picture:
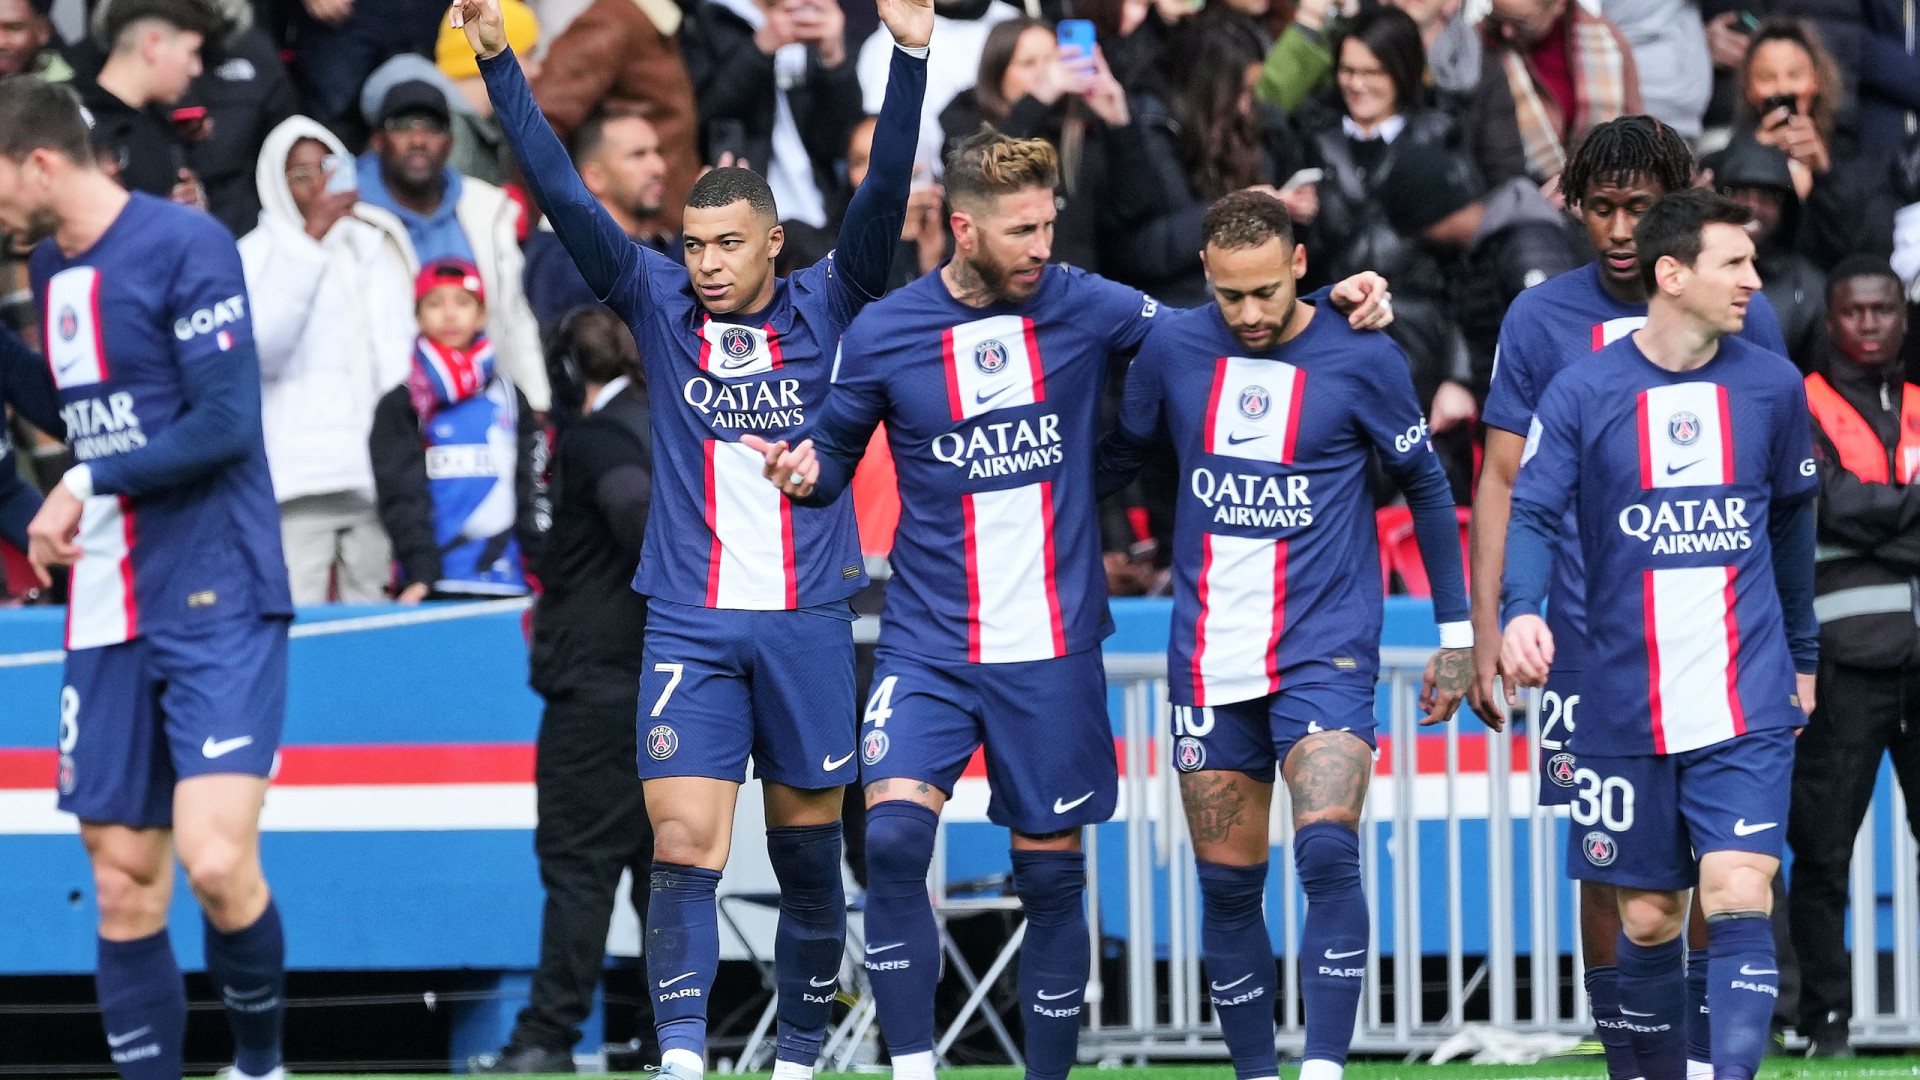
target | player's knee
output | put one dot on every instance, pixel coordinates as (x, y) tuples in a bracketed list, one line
[(1650, 918), (222, 874), (684, 843), (1050, 884), (1327, 856), (1232, 895), (1741, 887), (900, 839), (130, 897)]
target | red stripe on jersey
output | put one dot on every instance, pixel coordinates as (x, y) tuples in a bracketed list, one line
[(1213, 408), (971, 537), (100, 357), (1726, 461), (1046, 517), (1646, 458), (1293, 419), (1206, 568), (953, 379), (1653, 637), (773, 360), (713, 519), (706, 347), (786, 553), (1599, 336), (1279, 590), (1733, 629), (126, 564), (1039, 395)]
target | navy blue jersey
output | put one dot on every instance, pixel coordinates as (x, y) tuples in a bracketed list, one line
[(24, 386), (1550, 325), (182, 524), (1673, 477), (991, 415), (1276, 567)]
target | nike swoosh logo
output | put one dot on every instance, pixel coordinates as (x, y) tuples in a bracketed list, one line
[(118, 1041), (1624, 1011), (1223, 987), (1236, 440), (981, 398), (70, 365), (1331, 955), (816, 984), (1060, 807), (1044, 996), (664, 983), (214, 748), (1671, 469), (1741, 828), (871, 949), (829, 764), (1745, 970)]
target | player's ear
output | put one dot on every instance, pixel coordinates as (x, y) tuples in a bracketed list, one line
[(1669, 273), (1299, 260), (776, 239)]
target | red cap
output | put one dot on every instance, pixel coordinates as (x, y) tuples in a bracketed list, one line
[(449, 271)]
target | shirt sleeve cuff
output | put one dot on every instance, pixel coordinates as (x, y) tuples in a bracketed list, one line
[(1456, 635), (918, 54), (79, 481)]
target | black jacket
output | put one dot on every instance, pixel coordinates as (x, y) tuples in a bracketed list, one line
[(406, 506), (246, 93), (588, 624), (733, 81), (141, 145)]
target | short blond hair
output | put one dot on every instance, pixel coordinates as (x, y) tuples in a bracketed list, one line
[(990, 164)]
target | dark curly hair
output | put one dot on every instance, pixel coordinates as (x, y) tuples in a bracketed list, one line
[(1623, 150)]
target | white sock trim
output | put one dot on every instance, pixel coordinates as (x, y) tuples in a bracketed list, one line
[(792, 1070), (686, 1061), (1320, 1069), (913, 1066)]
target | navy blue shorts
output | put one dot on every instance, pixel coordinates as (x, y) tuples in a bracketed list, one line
[(720, 687), (1644, 822), (1553, 739), (1255, 735), (139, 716), (1050, 759)]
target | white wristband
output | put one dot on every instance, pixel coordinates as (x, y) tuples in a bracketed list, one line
[(79, 481), (1456, 635), (918, 54)]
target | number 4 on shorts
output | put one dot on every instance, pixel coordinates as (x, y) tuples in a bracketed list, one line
[(674, 671)]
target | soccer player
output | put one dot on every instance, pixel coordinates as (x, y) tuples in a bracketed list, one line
[(1274, 408), (988, 373), (1621, 168), (749, 643), (176, 674), (1686, 456)]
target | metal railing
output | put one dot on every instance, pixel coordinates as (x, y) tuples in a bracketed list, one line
[(1508, 910)]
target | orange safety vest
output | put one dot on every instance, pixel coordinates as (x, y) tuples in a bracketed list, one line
[(1861, 451)]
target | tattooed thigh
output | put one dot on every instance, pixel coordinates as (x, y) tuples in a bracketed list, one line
[(1227, 816), (1327, 776)]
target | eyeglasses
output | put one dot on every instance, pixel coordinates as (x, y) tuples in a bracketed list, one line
[(1361, 74), (305, 175), (415, 122)]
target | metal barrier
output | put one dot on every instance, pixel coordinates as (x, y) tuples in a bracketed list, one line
[(1526, 907)]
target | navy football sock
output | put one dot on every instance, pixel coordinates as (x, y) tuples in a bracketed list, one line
[(1052, 886), (903, 946), (1603, 1000), (812, 935), (248, 969), (1653, 1004), (1699, 1016), (682, 953), (1333, 951), (143, 1006), (1744, 986), (1240, 972)]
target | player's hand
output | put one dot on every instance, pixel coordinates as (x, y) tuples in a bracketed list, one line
[(1526, 654), (1803, 688), (486, 28), (794, 471), (1448, 677), (1365, 300), (413, 594), (331, 12), (1483, 697), (50, 535), (909, 21)]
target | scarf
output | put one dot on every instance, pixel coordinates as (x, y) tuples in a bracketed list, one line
[(443, 375), (1603, 88)]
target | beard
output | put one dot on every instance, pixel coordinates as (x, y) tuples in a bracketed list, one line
[(41, 223), (996, 277)]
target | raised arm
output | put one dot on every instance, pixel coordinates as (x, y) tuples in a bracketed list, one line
[(871, 228), (598, 246)]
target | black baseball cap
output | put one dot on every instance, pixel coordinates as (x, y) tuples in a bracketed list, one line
[(414, 97)]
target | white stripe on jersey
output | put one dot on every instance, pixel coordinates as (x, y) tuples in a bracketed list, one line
[(1606, 333), (993, 363), (1013, 600), (1692, 640), (101, 607), (1686, 439), (733, 351), (73, 328), (751, 563), (1243, 608), (1254, 412)]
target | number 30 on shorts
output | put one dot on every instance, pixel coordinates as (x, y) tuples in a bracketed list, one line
[(1607, 802)]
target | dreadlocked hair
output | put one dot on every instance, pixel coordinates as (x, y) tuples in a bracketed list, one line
[(1625, 149)]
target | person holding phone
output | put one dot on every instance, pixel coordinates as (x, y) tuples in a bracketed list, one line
[(1790, 94), (153, 57)]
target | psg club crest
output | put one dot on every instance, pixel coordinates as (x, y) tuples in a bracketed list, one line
[(1560, 769), (69, 324), (662, 742), (1683, 429), (1255, 401), (1599, 848), (736, 342), (66, 774), (873, 747), (990, 357), (1189, 754)]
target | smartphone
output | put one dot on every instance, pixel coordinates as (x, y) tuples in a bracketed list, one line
[(1748, 22), (188, 118), (341, 177), (1302, 179), (1789, 102), (1076, 34)]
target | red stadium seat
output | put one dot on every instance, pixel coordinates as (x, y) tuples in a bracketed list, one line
[(1400, 552), (16, 573)]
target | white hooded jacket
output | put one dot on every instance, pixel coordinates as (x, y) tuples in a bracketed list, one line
[(333, 323)]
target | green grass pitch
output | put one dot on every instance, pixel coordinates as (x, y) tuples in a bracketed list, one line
[(1866, 1068)]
